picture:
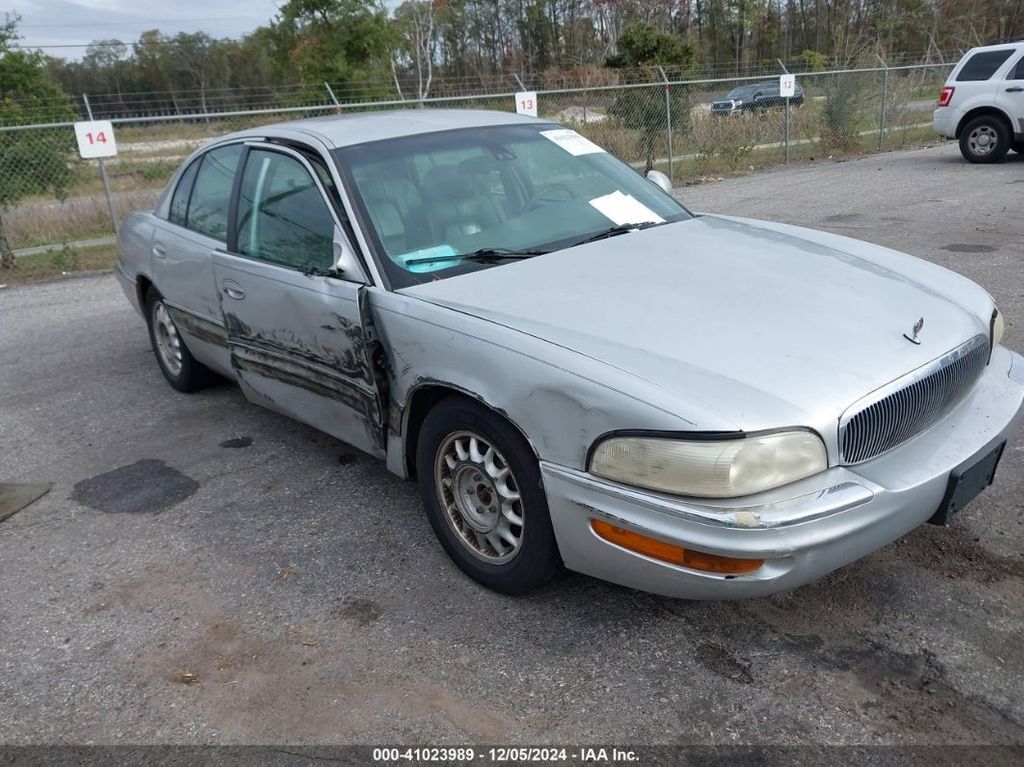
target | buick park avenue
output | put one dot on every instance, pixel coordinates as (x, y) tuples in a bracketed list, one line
[(576, 370)]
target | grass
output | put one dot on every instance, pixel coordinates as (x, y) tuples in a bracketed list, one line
[(57, 264), (46, 221)]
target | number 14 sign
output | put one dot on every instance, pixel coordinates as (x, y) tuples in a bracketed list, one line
[(95, 139)]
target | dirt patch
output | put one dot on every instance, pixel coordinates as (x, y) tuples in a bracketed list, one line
[(956, 555), (237, 442), (723, 662), (362, 611), (347, 456), (143, 487), (964, 247)]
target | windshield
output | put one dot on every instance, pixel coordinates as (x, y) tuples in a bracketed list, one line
[(494, 192), (745, 92)]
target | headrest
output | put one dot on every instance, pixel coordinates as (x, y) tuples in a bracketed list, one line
[(446, 182)]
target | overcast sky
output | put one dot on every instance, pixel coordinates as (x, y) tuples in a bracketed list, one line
[(51, 23)]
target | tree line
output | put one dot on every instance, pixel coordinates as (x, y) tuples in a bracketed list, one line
[(429, 47)]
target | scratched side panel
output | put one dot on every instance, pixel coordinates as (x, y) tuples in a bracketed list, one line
[(298, 348)]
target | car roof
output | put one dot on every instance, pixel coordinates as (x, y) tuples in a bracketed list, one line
[(1011, 45), (761, 84), (340, 130)]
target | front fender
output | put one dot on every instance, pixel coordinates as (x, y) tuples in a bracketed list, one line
[(561, 401)]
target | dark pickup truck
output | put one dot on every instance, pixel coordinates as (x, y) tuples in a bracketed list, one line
[(755, 97)]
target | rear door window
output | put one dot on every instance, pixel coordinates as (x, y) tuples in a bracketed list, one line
[(211, 195), (981, 66), (1018, 71)]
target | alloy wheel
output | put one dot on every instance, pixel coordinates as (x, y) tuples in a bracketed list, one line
[(479, 497), (168, 343)]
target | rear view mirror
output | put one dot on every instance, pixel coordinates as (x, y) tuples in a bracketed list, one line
[(345, 262), (660, 180)]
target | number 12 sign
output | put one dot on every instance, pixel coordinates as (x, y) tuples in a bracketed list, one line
[(95, 139), (526, 103)]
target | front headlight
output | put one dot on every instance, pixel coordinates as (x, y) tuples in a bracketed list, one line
[(998, 328), (715, 468)]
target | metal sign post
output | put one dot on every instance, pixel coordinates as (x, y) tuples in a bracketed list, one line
[(885, 94), (668, 120), (103, 167), (787, 89)]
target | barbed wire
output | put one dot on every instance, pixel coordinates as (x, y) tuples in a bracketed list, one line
[(401, 87)]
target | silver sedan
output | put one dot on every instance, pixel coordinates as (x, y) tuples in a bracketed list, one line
[(575, 369)]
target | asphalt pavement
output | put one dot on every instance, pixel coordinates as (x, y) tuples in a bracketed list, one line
[(204, 571)]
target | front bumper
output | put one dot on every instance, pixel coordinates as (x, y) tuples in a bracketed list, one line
[(803, 530)]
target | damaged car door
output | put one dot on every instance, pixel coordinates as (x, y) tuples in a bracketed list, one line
[(293, 301)]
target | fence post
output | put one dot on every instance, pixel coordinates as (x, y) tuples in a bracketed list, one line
[(786, 133), (103, 175), (330, 92), (885, 96), (668, 121)]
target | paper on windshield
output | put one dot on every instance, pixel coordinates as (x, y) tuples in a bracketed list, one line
[(443, 253), (625, 209), (571, 141)]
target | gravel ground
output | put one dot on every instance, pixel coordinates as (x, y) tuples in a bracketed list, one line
[(273, 586)]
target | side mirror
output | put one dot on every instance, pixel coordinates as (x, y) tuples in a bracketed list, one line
[(345, 262), (660, 180)]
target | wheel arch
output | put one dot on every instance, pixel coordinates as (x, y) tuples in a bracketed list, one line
[(143, 284), (422, 398), (982, 112)]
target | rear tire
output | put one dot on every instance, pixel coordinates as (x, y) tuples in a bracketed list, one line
[(482, 490), (180, 368), (985, 139)]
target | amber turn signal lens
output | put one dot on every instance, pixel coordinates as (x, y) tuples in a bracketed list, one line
[(667, 552)]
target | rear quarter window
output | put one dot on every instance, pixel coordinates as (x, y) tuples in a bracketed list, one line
[(981, 66), (211, 192), (179, 202)]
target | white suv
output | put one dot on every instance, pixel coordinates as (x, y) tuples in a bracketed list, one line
[(982, 104)]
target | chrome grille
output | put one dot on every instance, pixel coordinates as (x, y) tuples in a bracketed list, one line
[(909, 405)]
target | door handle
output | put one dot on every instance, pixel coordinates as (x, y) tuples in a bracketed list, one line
[(233, 290), (159, 250), (1015, 89)]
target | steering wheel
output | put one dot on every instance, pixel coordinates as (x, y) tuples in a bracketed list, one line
[(541, 195)]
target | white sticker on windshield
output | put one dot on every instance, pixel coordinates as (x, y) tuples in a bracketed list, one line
[(571, 141), (625, 209)]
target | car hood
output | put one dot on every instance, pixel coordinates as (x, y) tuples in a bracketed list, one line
[(762, 325)]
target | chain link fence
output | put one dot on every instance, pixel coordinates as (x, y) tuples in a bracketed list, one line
[(692, 130)]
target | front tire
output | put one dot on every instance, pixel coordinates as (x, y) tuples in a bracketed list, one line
[(180, 368), (482, 490), (985, 139)]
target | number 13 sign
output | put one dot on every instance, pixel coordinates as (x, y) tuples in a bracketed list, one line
[(526, 103), (95, 139)]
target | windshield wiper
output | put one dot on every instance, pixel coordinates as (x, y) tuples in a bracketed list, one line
[(618, 229), (483, 255)]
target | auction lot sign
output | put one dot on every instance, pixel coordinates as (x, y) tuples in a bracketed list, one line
[(95, 139)]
